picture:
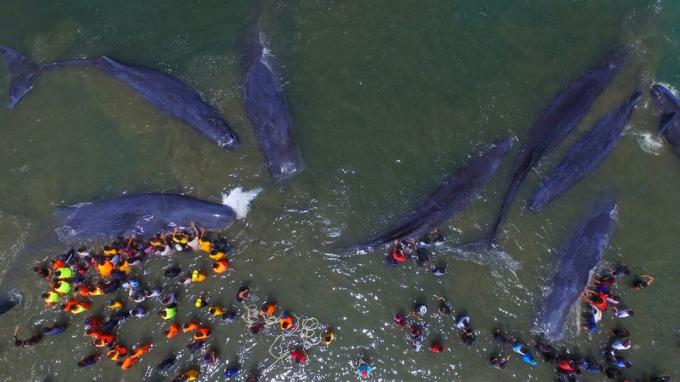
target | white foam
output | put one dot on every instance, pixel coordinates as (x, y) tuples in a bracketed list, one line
[(649, 142), (239, 200)]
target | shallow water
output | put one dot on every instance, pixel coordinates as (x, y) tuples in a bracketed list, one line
[(388, 98)]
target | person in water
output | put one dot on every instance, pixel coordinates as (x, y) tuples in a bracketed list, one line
[(642, 282), (364, 368), (498, 361), (444, 306), (622, 312), (439, 269), (397, 256), (33, 340)]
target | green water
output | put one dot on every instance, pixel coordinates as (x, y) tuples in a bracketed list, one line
[(388, 98)]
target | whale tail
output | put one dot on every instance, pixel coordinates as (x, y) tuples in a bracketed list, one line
[(23, 72)]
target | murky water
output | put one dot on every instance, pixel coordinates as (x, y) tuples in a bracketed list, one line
[(388, 98)]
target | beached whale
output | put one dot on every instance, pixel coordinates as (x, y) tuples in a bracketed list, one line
[(449, 199), (575, 263), (669, 127), (561, 116), (586, 155), (269, 115), (140, 214), (159, 89)]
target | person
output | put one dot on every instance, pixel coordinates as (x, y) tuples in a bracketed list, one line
[(268, 309), (89, 360), (642, 281), (27, 342), (210, 357), (364, 368), (420, 311), (589, 365), (242, 293), (520, 348), (439, 270), (190, 327), (462, 321), (397, 255), (44, 273), (63, 287), (468, 336), (198, 276), (216, 255), (54, 330), (117, 353), (251, 378), (444, 306), (567, 366), (498, 361), (104, 267), (598, 301), (172, 330), (621, 344), (194, 346), (502, 337), (422, 256), (189, 375), (201, 334), (286, 323), (620, 270), (139, 311), (51, 298), (620, 332), (229, 317), (167, 363), (216, 310), (298, 355), (172, 271), (437, 347), (529, 359), (547, 351), (153, 292), (232, 372), (169, 298), (328, 337), (220, 266), (169, 312), (204, 244), (621, 362), (256, 328), (623, 312), (400, 320)]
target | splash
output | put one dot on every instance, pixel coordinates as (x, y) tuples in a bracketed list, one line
[(649, 142), (239, 200)]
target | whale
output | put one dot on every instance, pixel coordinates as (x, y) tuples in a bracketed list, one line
[(563, 113), (585, 155), (137, 214), (162, 91), (449, 199), (669, 125), (269, 114), (574, 264)]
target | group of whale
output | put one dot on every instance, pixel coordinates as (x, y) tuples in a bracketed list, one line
[(271, 119)]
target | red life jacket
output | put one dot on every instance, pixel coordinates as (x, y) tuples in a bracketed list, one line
[(566, 365), (398, 256)]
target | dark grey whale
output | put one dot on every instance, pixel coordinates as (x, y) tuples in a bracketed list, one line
[(159, 89), (585, 155), (449, 199), (269, 115), (134, 214), (138, 214), (562, 115), (669, 126), (582, 254)]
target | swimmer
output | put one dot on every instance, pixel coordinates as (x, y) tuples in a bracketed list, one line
[(169, 298), (502, 337), (44, 273), (420, 311), (439, 270), (139, 296), (437, 347), (400, 320), (210, 357), (189, 375), (547, 351), (153, 292), (462, 321), (89, 360), (242, 294), (298, 355), (643, 281), (257, 327), (172, 271), (27, 342), (167, 363), (184, 280), (623, 312), (520, 348), (364, 368), (499, 362), (229, 317), (468, 336), (232, 372), (54, 330), (422, 257), (622, 363), (139, 312), (444, 306), (621, 343)]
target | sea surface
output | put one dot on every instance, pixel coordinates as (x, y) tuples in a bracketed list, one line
[(388, 99)]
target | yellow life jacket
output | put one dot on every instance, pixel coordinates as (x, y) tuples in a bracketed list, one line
[(216, 255), (205, 245), (64, 273), (52, 298), (62, 287)]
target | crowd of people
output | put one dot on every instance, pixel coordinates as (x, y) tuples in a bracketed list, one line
[(598, 298)]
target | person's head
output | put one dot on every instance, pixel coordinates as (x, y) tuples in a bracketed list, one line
[(45, 295), (626, 342), (630, 312)]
